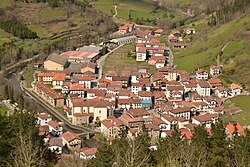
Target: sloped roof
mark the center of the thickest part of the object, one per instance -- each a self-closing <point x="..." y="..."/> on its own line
<point x="57" y="58"/>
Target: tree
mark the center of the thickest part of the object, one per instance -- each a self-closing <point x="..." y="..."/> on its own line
<point x="20" y="144"/>
<point x="218" y="146"/>
<point x="6" y="92"/>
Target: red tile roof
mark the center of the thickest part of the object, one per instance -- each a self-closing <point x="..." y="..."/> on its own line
<point x="231" y="128"/>
<point x="43" y="115"/>
<point x="70" y="136"/>
<point x="145" y="94"/>
<point x="59" y="77"/>
<point x="235" y="86"/>
<point x="138" y="112"/>
<point x="179" y="110"/>
<point x="159" y="31"/>
<point x="89" y="151"/>
<point x="206" y="117"/>
<point x="53" y="123"/>
<point x="47" y="90"/>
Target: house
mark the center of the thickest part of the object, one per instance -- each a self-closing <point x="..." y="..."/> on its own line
<point x="39" y="64"/>
<point x="56" y="145"/>
<point x="111" y="127"/>
<point x="43" y="118"/>
<point x="110" y="75"/>
<point x="126" y="104"/>
<point x="207" y="120"/>
<point x="85" y="80"/>
<point x="46" y="77"/>
<point x="160" y="123"/>
<point x="146" y="99"/>
<point x="141" y="54"/>
<point x="175" y="33"/>
<point x="179" y="45"/>
<point x="87" y="153"/>
<point x="158" y="32"/>
<point x="215" y="82"/>
<point x="203" y="88"/>
<point x="221" y="92"/>
<point x="71" y="140"/>
<point x="88" y="66"/>
<point x="58" y="80"/>
<point x="55" y="62"/>
<point x="214" y="71"/>
<point x="235" y="89"/>
<point x="184" y="112"/>
<point x="77" y="89"/>
<point x="123" y="30"/>
<point x="130" y="26"/>
<point x="201" y="74"/>
<point x="49" y="95"/>
<point x="190" y="31"/>
<point x="55" y="128"/>
<point x="233" y="128"/>
<point x="171" y="122"/>
<point x="124" y="94"/>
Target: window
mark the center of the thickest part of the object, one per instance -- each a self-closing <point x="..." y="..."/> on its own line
<point x="100" y="111"/>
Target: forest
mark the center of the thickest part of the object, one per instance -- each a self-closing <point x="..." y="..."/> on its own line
<point x="203" y="150"/>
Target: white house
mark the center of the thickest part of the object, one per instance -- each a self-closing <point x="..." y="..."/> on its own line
<point x="201" y="74"/>
<point x="207" y="119"/>
<point x="56" y="145"/>
<point x="141" y="54"/>
<point x="221" y="92"/>
<point x="71" y="140"/>
<point x="184" y="112"/>
<point x="203" y="88"/>
<point x="87" y="153"/>
<point x="55" y="128"/>
<point x="85" y="80"/>
<point x="171" y="122"/>
<point x="43" y="119"/>
<point x="235" y="89"/>
<point x="214" y="71"/>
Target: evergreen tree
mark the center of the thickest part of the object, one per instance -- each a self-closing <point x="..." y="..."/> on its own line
<point x="6" y="92"/>
<point x="218" y="146"/>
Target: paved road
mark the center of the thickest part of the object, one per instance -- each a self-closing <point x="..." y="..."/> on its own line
<point x="19" y="63"/>
<point x="100" y="62"/>
<point x="55" y="112"/>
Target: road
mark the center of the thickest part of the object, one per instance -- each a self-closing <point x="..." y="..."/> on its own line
<point x="19" y="63"/>
<point x="170" y="58"/>
<point x="55" y="112"/>
<point x="100" y="62"/>
<point x="115" y="11"/>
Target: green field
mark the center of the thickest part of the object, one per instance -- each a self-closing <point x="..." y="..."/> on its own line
<point x="206" y="45"/>
<point x="243" y="102"/>
<point x="120" y="61"/>
<point x="138" y="9"/>
<point x="3" y="110"/>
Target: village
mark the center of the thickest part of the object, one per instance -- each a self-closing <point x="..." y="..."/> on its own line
<point x="162" y="101"/>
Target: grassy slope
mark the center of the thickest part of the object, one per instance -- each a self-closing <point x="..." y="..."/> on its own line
<point x="138" y="9"/>
<point x="243" y="103"/>
<point x="123" y="62"/>
<point x="205" y="47"/>
<point x="3" y="110"/>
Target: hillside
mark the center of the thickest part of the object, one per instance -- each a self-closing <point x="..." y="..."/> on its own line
<point x="54" y="26"/>
<point x="207" y="44"/>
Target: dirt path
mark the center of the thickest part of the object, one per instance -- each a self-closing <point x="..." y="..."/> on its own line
<point x="115" y="11"/>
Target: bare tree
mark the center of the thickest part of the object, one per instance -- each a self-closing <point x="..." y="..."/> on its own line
<point x="25" y="153"/>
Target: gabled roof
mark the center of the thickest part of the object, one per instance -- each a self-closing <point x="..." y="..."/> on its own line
<point x="206" y="117"/>
<point x="179" y="110"/>
<point x="57" y="58"/>
<point x="56" y="142"/>
<point x="89" y="151"/>
<point x="70" y="136"/>
<point x="43" y="115"/>
<point x="138" y="112"/>
<point x="231" y="128"/>
<point x="53" y="123"/>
